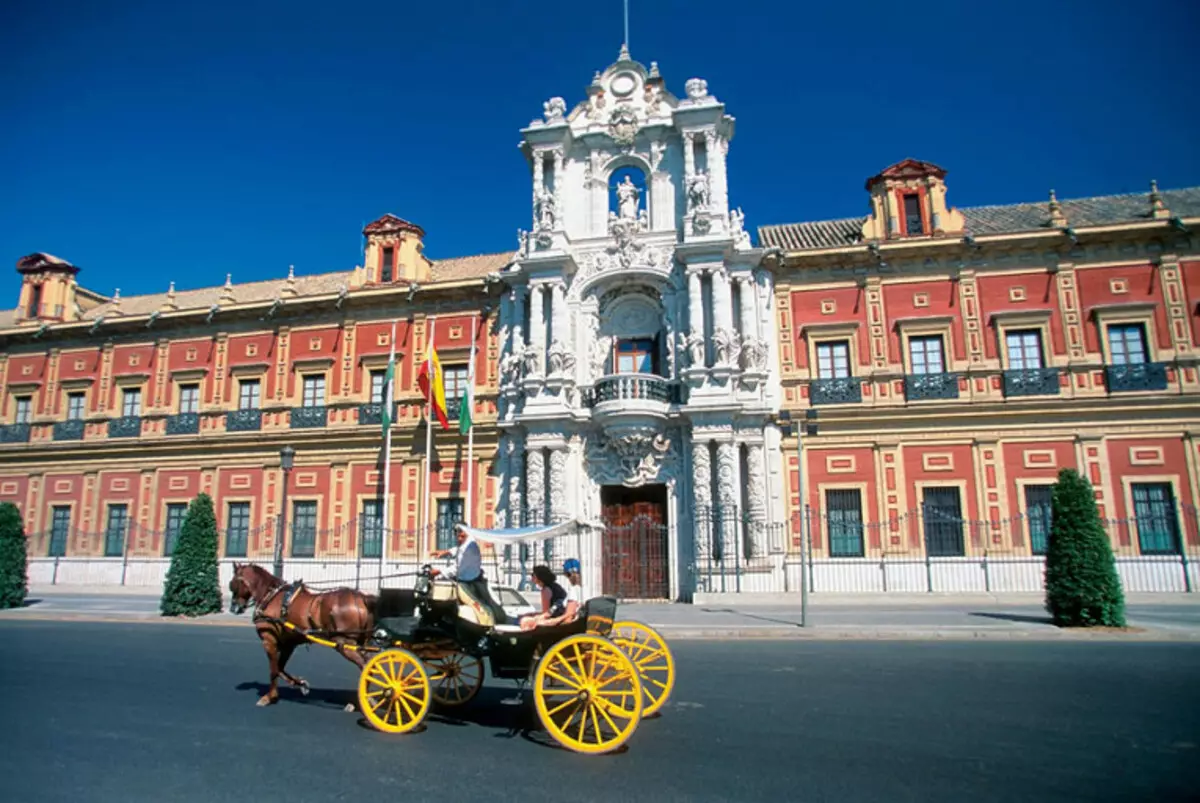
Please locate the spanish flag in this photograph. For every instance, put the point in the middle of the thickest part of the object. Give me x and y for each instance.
(429, 380)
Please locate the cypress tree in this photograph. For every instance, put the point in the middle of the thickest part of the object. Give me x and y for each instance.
(14, 581)
(193, 586)
(1082, 586)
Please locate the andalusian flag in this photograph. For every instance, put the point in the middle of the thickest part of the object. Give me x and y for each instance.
(389, 384)
(467, 406)
(429, 380)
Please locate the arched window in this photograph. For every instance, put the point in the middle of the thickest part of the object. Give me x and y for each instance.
(617, 195)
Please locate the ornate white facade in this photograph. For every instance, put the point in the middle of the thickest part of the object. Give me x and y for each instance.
(638, 332)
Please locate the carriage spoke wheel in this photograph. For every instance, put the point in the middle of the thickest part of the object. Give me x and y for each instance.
(655, 663)
(455, 678)
(393, 691)
(588, 694)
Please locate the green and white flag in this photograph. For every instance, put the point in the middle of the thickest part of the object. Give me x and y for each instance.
(389, 383)
(466, 405)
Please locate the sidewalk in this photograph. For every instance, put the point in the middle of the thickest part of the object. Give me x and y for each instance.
(1172, 617)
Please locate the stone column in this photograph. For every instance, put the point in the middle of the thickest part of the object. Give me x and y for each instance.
(722, 300)
(513, 477)
(702, 510)
(715, 149)
(689, 154)
(558, 483)
(537, 327)
(756, 497)
(539, 181)
(558, 187)
(516, 311)
(558, 312)
(728, 494)
(535, 485)
(746, 292)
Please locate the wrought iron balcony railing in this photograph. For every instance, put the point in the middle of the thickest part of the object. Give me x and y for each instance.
(1031, 382)
(453, 408)
(920, 387)
(309, 417)
(1136, 377)
(183, 424)
(69, 430)
(129, 426)
(243, 420)
(373, 413)
(14, 433)
(623, 387)
(843, 390)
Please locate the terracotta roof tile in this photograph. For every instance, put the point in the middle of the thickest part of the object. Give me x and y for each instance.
(474, 267)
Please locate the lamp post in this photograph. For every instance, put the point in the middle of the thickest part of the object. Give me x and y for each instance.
(287, 458)
(788, 427)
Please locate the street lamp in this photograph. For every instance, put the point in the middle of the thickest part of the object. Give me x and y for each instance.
(788, 427)
(287, 459)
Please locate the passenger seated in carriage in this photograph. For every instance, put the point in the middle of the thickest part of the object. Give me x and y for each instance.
(468, 572)
(558, 606)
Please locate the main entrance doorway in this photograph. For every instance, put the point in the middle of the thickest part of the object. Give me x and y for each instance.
(634, 549)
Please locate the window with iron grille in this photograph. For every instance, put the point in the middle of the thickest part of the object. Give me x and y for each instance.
(237, 529)
(1154, 514)
(389, 264)
(304, 529)
(189, 398)
(844, 508)
(314, 391)
(248, 394)
(378, 386)
(1038, 508)
(131, 402)
(449, 513)
(455, 378)
(75, 406)
(60, 528)
(833, 360)
(114, 533)
(24, 409)
(1127, 342)
(370, 529)
(912, 215)
(1024, 349)
(925, 355)
(175, 513)
(942, 512)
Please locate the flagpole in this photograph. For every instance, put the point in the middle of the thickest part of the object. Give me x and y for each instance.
(388, 403)
(470, 399)
(425, 533)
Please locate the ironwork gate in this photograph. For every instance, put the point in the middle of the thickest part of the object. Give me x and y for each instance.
(636, 556)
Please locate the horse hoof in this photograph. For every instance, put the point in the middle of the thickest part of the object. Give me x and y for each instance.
(264, 701)
(349, 709)
(304, 688)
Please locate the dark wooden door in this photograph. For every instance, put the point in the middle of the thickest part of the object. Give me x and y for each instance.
(634, 547)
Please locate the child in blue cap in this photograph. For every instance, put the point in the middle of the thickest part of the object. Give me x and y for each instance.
(571, 569)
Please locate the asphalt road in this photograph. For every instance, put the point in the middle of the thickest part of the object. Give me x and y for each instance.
(161, 712)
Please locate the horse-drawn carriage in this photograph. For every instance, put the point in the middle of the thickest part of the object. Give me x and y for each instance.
(592, 679)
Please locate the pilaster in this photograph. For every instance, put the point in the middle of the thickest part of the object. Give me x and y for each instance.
(535, 484)
(558, 483)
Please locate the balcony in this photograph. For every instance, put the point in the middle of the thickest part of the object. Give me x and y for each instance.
(1137, 377)
(843, 390)
(373, 413)
(69, 430)
(624, 402)
(243, 421)
(1031, 382)
(129, 426)
(14, 433)
(453, 408)
(925, 387)
(183, 424)
(309, 417)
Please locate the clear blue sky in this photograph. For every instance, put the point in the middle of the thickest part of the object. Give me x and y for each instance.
(150, 141)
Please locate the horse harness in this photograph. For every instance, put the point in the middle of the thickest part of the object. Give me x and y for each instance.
(289, 593)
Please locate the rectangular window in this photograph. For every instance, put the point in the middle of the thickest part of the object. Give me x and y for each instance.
(60, 528)
(449, 513)
(925, 355)
(131, 402)
(833, 360)
(189, 398)
(378, 385)
(844, 508)
(75, 405)
(1037, 513)
(248, 395)
(943, 522)
(1154, 513)
(24, 409)
(114, 533)
(370, 530)
(237, 529)
(636, 356)
(455, 378)
(175, 514)
(1127, 342)
(314, 391)
(388, 268)
(304, 529)
(912, 215)
(35, 301)
(1024, 348)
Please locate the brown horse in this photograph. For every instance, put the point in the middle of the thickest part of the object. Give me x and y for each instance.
(342, 615)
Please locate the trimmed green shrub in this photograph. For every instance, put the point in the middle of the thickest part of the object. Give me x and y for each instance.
(193, 586)
(1082, 586)
(14, 579)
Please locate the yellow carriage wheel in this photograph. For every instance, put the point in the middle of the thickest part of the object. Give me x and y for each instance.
(588, 694)
(655, 663)
(455, 678)
(393, 691)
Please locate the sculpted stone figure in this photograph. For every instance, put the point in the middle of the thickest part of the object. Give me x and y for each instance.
(698, 192)
(695, 347)
(627, 199)
(726, 343)
(754, 355)
(547, 214)
(533, 361)
(510, 369)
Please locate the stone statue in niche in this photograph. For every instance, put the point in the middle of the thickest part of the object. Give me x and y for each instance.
(726, 343)
(532, 359)
(547, 214)
(695, 350)
(601, 348)
(754, 355)
(697, 188)
(627, 199)
(510, 369)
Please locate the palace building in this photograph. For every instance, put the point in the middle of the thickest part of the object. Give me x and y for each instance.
(892, 393)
